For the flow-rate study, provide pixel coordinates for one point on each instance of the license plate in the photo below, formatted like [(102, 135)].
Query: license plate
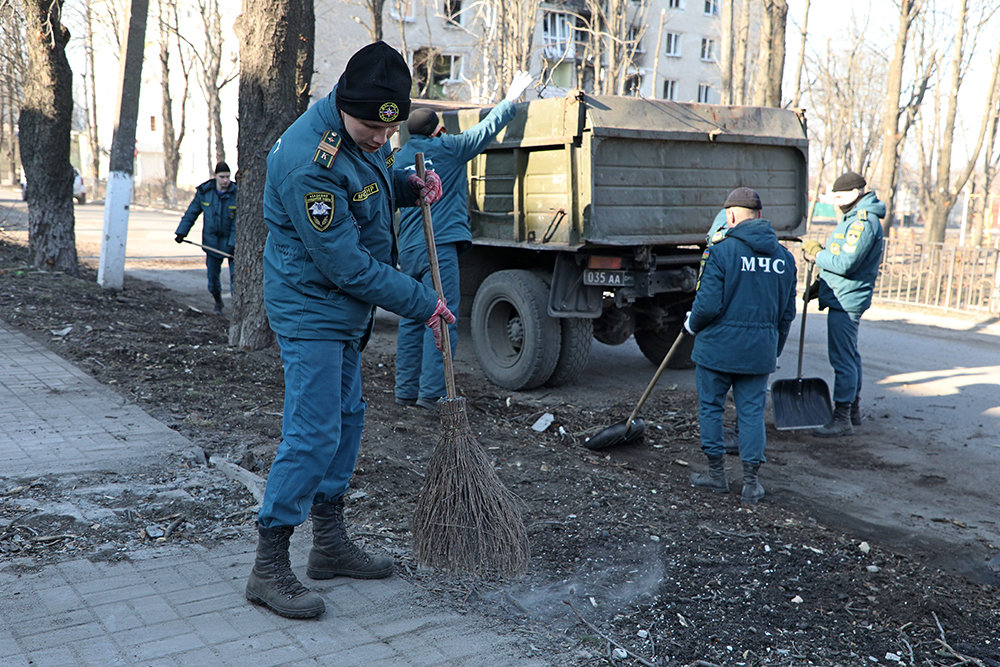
[(608, 278)]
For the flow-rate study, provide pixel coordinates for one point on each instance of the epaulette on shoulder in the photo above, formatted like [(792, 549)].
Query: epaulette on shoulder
[(863, 214), (326, 151)]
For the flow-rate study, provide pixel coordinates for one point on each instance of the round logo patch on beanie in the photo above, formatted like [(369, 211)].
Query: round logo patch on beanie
[(388, 112)]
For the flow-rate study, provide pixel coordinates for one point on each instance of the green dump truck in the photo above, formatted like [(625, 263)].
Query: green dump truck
[(589, 216)]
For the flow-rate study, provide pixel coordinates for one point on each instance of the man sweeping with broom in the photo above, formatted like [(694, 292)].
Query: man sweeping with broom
[(328, 262)]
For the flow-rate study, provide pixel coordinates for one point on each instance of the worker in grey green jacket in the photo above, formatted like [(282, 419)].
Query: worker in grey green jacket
[(848, 266), (419, 366)]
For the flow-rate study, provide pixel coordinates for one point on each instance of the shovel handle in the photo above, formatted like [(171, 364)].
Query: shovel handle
[(667, 358), (208, 247), (805, 307), (425, 208)]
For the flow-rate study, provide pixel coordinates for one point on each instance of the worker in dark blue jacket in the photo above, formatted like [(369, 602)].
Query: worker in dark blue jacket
[(744, 305), (419, 366), (329, 261), (215, 199), (848, 266)]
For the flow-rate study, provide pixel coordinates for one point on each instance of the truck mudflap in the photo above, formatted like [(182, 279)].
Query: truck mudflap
[(577, 289)]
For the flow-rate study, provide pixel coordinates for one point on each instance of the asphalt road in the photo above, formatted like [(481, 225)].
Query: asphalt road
[(922, 473)]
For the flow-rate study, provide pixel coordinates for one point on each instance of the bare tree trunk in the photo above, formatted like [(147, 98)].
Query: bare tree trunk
[(804, 31), (771, 54), (741, 55), (277, 40), (44, 128), (91, 80), (12, 69), (726, 52)]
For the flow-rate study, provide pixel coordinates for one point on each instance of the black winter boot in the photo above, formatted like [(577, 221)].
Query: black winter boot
[(856, 412), (272, 582), (218, 303), (334, 553), (752, 490), (840, 425), (715, 479)]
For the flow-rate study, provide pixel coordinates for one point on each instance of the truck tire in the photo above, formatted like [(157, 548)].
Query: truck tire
[(655, 343), (515, 340), (576, 334)]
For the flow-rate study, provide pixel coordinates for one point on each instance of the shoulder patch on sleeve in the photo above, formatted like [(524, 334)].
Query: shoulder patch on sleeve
[(319, 209), (326, 151)]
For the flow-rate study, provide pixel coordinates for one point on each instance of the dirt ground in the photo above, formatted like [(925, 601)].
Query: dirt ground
[(625, 554)]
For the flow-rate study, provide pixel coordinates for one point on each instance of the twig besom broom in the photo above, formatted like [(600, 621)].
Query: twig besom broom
[(466, 519)]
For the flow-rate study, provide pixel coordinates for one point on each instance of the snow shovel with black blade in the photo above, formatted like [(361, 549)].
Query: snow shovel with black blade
[(802, 402), (632, 428)]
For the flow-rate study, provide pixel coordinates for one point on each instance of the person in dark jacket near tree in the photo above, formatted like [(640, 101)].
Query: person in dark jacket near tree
[(216, 199), (419, 366), (329, 261), (848, 266), (744, 305)]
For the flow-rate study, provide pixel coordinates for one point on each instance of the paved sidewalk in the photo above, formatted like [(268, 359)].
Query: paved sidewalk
[(181, 604)]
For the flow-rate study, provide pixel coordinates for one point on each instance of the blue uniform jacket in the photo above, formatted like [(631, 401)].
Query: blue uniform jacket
[(849, 262), (330, 254), (218, 228), (745, 301), (447, 155), (719, 228)]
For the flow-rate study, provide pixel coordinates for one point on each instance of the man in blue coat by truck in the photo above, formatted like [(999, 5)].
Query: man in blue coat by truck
[(848, 268), (329, 260), (215, 199), (744, 305), (419, 366)]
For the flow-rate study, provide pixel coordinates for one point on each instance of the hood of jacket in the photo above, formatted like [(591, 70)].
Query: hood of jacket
[(756, 233), (870, 203)]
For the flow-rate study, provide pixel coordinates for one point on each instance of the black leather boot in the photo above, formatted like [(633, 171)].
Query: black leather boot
[(334, 553), (856, 412), (840, 425), (752, 490), (272, 582), (715, 479), (218, 303)]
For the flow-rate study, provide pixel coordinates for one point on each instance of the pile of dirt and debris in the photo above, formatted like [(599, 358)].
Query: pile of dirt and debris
[(628, 561)]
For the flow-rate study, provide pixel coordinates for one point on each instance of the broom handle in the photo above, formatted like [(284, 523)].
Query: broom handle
[(425, 208)]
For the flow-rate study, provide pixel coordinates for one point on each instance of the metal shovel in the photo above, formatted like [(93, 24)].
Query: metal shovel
[(632, 428), (802, 402)]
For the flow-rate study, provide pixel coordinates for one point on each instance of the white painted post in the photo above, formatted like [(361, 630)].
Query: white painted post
[(965, 218), (111, 270)]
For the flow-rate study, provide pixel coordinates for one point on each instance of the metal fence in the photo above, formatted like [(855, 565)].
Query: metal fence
[(940, 275)]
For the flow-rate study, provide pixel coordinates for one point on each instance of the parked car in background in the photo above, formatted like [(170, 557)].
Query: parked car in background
[(79, 192)]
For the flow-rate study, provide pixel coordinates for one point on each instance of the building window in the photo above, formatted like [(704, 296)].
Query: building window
[(707, 48), (673, 40), (704, 93), (670, 89), (453, 13), (675, 4), (557, 36), (401, 10), (432, 70), (633, 84), (152, 123), (634, 39), (711, 7)]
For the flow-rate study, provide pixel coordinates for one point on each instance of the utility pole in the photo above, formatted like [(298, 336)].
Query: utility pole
[(111, 271)]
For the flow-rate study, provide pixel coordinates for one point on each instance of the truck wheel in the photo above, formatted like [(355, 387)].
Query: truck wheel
[(515, 340), (577, 332), (655, 343)]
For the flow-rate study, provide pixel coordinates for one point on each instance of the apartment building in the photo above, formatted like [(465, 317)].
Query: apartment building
[(666, 49)]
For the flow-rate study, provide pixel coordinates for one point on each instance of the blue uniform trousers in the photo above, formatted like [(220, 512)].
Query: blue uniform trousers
[(320, 429), (213, 264), (749, 395), (419, 365), (842, 348)]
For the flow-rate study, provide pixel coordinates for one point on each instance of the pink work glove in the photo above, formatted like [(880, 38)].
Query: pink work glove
[(441, 311), (428, 188)]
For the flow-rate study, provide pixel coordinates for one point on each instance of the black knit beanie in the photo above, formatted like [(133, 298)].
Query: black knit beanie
[(422, 121), (849, 180), (375, 85), (221, 168), (744, 198)]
